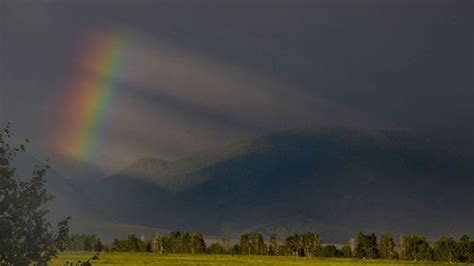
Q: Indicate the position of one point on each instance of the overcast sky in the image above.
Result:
(205, 73)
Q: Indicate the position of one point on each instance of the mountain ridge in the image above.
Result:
(334, 181)
(337, 178)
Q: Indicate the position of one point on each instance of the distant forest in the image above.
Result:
(367, 246)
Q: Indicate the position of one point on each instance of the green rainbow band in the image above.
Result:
(92, 96)
(107, 87)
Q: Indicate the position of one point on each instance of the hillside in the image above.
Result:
(333, 181)
(180, 174)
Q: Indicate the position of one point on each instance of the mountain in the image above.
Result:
(180, 174)
(72, 198)
(63, 189)
(334, 181)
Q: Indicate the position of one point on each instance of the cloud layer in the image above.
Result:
(205, 73)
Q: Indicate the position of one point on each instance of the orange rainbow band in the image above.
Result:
(92, 96)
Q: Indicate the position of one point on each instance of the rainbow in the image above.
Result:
(91, 97)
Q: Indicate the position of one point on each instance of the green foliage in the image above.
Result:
(198, 245)
(387, 247)
(83, 242)
(131, 244)
(216, 248)
(414, 247)
(330, 251)
(178, 242)
(252, 244)
(305, 245)
(465, 249)
(445, 249)
(366, 246)
(226, 243)
(25, 234)
(236, 250)
(346, 251)
(273, 248)
(311, 245)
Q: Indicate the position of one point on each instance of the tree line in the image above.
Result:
(26, 237)
(368, 246)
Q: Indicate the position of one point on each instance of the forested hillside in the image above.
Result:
(332, 180)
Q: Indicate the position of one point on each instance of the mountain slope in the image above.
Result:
(180, 174)
(334, 181)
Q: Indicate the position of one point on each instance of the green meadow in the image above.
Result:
(123, 258)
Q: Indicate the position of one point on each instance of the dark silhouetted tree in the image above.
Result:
(198, 246)
(273, 245)
(346, 251)
(330, 251)
(307, 244)
(414, 247)
(216, 248)
(445, 249)
(366, 246)
(311, 244)
(236, 250)
(131, 244)
(156, 245)
(387, 247)
(82, 242)
(292, 246)
(465, 249)
(25, 233)
(226, 243)
(252, 244)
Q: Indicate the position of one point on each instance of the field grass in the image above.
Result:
(184, 259)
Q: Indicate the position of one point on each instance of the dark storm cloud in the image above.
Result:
(247, 68)
(195, 102)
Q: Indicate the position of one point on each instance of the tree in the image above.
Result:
(178, 242)
(307, 244)
(330, 251)
(273, 245)
(131, 244)
(414, 247)
(82, 242)
(346, 251)
(259, 247)
(216, 248)
(292, 246)
(465, 249)
(156, 244)
(366, 246)
(118, 246)
(186, 243)
(252, 244)
(226, 243)
(387, 247)
(26, 235)
(445, 249)
(311, 244)
(198, 246)
(236, 250)
(166, 245)
(471, 253)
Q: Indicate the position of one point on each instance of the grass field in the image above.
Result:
(182, 259)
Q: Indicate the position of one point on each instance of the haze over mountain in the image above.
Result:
(233, 116)
(335, 181)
